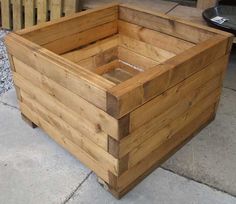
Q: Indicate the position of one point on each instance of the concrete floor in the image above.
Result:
(34, 169)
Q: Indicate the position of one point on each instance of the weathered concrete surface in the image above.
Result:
(230, 79)
(162, 187)
(9, 98)
(33, 168)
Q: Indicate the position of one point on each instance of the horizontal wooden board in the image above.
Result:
(77, 121)
(134, 92)
(66, 143)
(76, 40)
(144, 49)
(101, 156)
(170, 97)
(26, 78)
(166, 116)
(159, 155)
(54, 30)
(80, 81)
(164, 24)
(100, 59)
(137, 60)
(154, 38)
(142, 150)
(93, 49)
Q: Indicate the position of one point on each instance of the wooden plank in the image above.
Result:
(77, 121)
(164, 24)
(80, 81)
(137, 60)
(100, 155)
(56, 9)
(142, 150)
(170, 97)
(71, 7)
(77, 40)
(134, 92)
(93, 49)
(204, 4)
(154, 38)
(17, 14)
(107, 67)
(66, 143)
(42, 11)
(100, 59)
(154, 159)
(60, 28)
(29, 13)
(5, 14)
(150, 129)
(90, 112)
(144, 49)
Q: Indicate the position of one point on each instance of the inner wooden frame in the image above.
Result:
(144, 47)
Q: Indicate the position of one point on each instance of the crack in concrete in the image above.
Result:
(232, 89)
(200, 182)
(6, 104)
(77, 188)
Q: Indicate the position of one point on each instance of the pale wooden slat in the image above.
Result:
(56, 9)
(5, 12)
(17, 14)
(71, 6)
(42, 11)
(29, 13)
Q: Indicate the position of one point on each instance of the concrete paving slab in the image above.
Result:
(33, 168)
(230, 78)
(161, 186)
(153, 5)
(211, 156)
(9, 98)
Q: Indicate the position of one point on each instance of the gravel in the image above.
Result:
(6, 82)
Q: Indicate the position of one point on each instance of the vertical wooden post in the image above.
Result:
(5, 14)
(71, 7)
(17, 14)
(56, 9)
(29, 13)
(42, 11)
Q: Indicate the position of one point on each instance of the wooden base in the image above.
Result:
(28, 121)
(119, 195)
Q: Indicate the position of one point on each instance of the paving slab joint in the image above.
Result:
(77, 188)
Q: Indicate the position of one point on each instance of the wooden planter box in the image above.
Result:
(120, 88)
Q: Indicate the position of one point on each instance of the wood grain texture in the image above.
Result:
(58, 69)
(54, 30)
(120, 88)
(138, 90)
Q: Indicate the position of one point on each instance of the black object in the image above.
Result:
(228, 12)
